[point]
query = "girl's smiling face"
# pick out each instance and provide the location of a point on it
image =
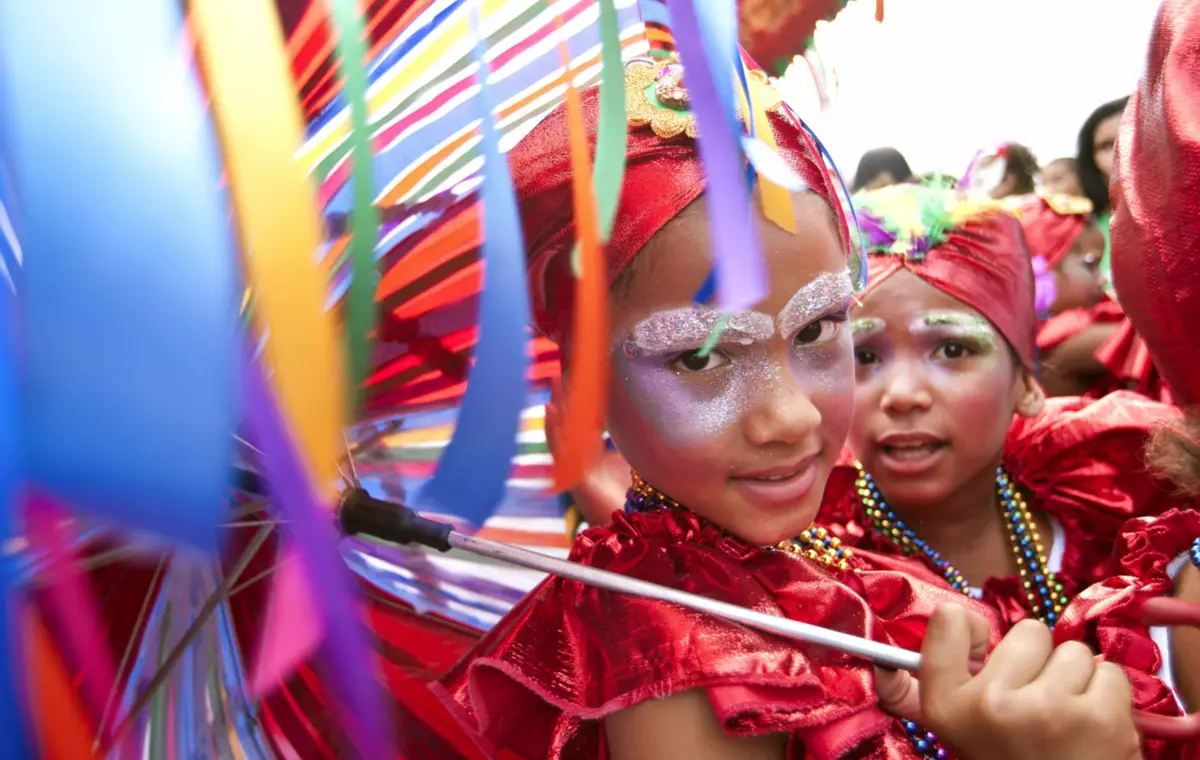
(937, 386)
(747, 434)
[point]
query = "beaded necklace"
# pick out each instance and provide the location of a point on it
(815, 544)
(1042, 591)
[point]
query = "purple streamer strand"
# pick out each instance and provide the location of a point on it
(316, 541)
(741, 280)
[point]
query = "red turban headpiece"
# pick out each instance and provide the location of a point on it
(972, 251)
(1053, 224)
(662, 177)
(1156, 201)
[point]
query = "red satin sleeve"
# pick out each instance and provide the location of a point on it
(569, 655)
(1081, 462)
(1055, 330)
(1128, 358)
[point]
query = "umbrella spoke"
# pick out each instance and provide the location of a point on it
(129, 647)
(206, 611)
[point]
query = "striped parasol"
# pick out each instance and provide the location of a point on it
(426, 143)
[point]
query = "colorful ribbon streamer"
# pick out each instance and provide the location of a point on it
(471, 476)
(346, 648)
(13, 740)
(740, 275)
(71, 605)
(247, 72)
(364, 218)
(130, 333)
(584, 412)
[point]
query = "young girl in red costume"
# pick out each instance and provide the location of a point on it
(1086, 346)
(961, 461)
(733, 448)
(957, 458)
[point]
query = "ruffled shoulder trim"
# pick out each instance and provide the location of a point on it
(1082, 462)
(569, 654)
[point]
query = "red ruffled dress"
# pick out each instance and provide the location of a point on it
(1080, 462)
(568, 655)
(1149, 554)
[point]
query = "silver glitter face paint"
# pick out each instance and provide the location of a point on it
(746, 370)
(828, 293)
(687, 329)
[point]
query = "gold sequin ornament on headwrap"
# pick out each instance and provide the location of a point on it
(656, 97)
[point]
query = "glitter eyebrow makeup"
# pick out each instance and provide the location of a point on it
(968, 326)
(827, 293)
(687, 328)
(866, 327)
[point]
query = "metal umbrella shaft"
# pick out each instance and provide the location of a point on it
(362, 513)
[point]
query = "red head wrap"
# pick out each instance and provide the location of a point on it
(1052, 225)
(1156, 201)
(662, 177)
(976, 254)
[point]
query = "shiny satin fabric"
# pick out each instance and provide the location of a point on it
(1156, 201)
(1128, 358)
(1106, 615)
(1124, 354)
(1080, 462)
(985, 264)
(662, 177)
(569, 654)
(1050, 233)
(1067, 324)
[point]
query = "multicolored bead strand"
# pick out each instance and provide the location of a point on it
(1194, 552)
(1043, 592)
(815, 544)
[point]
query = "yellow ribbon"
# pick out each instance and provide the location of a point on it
(254, 101)
(776, 200)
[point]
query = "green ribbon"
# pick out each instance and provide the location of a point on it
(364, 216)
(608, 170)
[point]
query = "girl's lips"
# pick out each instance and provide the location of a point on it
(779, 490)
(912, 458)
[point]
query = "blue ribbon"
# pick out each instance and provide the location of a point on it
(474, 468)
(129, 283)
(13, 741)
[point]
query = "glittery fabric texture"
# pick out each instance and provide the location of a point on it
(568, 654)
(662, 177)
(1156, 201)
(985, 264)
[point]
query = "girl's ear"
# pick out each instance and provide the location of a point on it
(1030, 396)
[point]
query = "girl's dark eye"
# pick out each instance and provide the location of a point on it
(692, 361)
(864, 356)
(953, 350)
(821, 331)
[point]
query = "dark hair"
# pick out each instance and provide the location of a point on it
(880, 160)
(1022, 167)
(1094, 184)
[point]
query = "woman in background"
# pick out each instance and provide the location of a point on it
(1094, 164)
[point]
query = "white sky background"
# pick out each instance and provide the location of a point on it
(940, 79)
